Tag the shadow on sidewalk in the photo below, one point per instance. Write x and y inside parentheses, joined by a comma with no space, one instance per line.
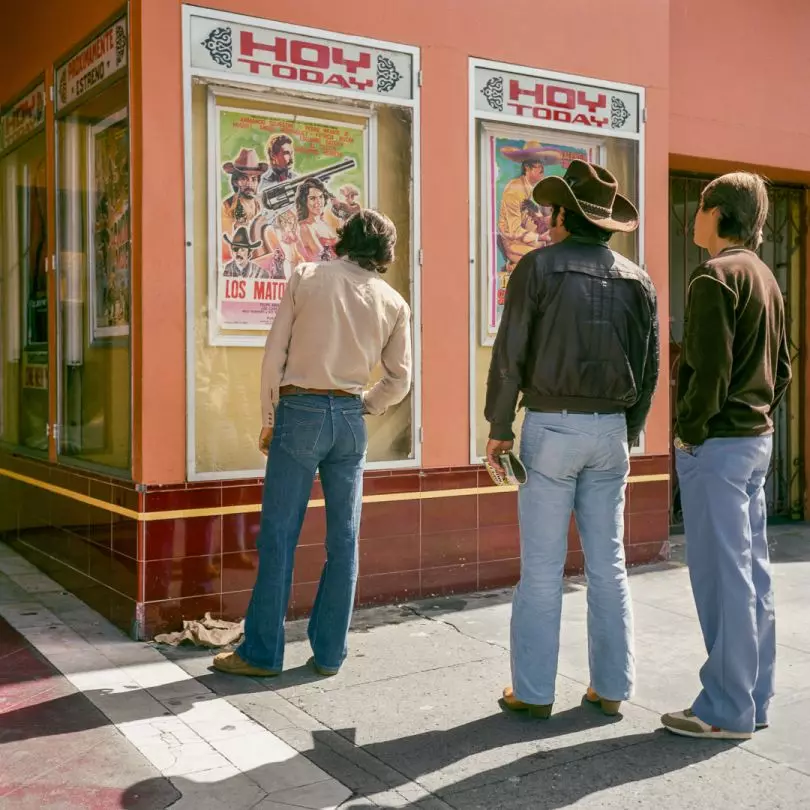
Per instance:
(600,764)
(592,767)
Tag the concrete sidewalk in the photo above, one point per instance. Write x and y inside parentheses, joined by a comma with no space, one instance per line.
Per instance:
(412,720)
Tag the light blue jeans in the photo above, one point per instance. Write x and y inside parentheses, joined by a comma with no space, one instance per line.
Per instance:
(723,493)
(312,433)
(576,462)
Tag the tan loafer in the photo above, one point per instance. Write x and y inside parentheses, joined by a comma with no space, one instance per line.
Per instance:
(609,707)
(538,710)
(233,664)
(326,672)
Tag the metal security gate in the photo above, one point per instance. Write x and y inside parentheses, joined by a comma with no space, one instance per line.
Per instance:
(783,251)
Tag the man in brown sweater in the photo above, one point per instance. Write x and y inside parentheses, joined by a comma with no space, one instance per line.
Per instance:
(734,371)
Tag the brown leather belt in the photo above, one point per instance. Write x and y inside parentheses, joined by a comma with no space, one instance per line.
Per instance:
(294,390)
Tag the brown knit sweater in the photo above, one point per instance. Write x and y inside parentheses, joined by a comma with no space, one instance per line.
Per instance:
(735,365)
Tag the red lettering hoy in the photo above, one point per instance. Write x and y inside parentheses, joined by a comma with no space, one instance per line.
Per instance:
(557,96)
(304,53)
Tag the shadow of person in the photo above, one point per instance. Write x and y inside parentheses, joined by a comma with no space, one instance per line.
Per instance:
(460,761)
(537,781)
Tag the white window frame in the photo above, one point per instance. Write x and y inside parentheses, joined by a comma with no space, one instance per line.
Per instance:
(476,116)
(244,83)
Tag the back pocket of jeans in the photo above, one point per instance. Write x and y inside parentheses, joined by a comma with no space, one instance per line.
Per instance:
(555,452)
(359,432)
(301,428)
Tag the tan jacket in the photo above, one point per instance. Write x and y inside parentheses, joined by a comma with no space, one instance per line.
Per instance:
(336,323)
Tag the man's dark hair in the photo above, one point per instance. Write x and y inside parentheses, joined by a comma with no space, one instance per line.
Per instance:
(277,142)
(368,238)
(742,198)
(578,225)
(303,193)
(529,164)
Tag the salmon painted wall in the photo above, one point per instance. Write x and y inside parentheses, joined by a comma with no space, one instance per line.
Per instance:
(739,84)
(448,32)
(26,55)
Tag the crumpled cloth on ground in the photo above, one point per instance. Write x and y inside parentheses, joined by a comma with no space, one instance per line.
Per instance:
(205,633)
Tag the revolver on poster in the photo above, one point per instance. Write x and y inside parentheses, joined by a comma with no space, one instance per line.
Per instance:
(282,196)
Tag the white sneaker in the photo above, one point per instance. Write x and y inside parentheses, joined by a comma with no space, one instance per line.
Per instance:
(688,724)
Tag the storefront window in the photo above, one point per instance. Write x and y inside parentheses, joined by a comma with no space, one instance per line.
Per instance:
(528,126)
(93,253)
(23,275)
(276,169)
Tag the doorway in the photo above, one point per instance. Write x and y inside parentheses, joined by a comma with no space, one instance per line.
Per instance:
(783,250)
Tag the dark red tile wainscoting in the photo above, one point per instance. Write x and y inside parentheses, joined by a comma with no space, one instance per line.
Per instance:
(88,548)
(424,533)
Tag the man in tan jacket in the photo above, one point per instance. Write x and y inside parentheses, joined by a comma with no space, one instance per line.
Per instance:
(337,322)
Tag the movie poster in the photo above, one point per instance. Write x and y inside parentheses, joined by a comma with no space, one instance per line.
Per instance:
(109,277)
(286,186)
(513,163)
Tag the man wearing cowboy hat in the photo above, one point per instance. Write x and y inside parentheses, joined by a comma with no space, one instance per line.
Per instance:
(579,341)
(521,225)
(243,206)
(240,265)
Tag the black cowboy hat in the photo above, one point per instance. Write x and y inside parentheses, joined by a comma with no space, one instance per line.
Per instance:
(592,191)
(241,239)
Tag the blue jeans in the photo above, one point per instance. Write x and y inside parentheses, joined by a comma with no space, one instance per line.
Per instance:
(576,462)
(312,433)
(723,492)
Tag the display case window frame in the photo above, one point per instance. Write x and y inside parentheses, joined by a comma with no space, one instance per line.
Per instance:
(231,85)
(36,93)
(63,109)
(478,117)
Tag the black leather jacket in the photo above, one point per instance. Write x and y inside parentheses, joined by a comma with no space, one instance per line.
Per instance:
(579,332)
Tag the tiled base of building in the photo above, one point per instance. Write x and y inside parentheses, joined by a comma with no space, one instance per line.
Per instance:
(175,553)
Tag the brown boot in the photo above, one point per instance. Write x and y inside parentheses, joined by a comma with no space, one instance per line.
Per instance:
(234,664)
(609,707)
(540,711)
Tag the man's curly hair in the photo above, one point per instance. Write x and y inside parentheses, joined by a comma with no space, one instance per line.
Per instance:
(368,238)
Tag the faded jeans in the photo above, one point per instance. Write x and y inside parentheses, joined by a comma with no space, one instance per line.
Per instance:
(326,434)
(725,516)
(579,463)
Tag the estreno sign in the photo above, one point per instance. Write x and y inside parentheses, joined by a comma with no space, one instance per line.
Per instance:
(101,58)
(540,98)
(298,59)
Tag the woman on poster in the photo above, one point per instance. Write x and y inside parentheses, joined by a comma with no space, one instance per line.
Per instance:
(317,237)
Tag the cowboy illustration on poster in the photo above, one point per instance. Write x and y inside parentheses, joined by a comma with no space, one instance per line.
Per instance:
(241,264)
(286,188)
(516,226)
(241,207)
(109,281)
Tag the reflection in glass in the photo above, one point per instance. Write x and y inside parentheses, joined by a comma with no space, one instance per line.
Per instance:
(93,255)
(24,297)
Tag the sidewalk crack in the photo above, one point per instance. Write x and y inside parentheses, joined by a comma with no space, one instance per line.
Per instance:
(414,611)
